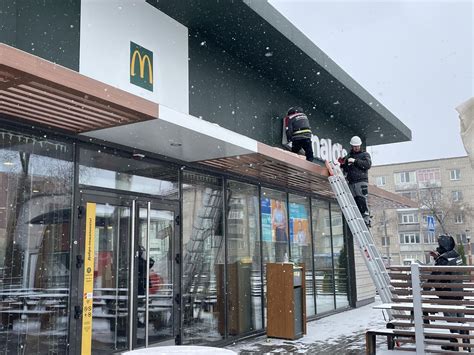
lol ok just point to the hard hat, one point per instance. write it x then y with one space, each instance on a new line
356 141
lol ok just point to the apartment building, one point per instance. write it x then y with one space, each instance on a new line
444 190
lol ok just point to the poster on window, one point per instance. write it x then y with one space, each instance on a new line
299 224
266 211
279 221
274 222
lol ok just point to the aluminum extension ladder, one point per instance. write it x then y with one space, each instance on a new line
361 233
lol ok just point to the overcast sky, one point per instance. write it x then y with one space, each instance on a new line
415 57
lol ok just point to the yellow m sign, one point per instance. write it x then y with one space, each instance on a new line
144 57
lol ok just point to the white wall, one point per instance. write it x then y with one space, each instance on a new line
365 285
108 27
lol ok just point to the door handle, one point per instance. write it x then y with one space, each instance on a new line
77 312
79 261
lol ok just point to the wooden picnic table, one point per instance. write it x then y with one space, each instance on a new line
431 312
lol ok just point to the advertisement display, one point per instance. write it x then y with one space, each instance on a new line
135 47
299 224
274 222
266 211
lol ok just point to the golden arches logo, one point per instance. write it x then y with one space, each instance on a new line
141 61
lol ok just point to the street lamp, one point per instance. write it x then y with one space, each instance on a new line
387 243
469 249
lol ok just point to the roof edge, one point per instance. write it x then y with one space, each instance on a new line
420 161
292 33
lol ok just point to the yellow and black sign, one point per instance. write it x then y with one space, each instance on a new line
87 295
141 66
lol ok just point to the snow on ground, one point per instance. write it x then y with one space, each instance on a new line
342 333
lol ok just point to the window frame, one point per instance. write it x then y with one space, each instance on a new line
409 238
404 218
380 180
456 195
411 175
429 176
458 218
455 174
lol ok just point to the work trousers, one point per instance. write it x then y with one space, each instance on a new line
360 191
307 146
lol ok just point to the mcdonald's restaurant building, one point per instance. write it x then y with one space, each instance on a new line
143 188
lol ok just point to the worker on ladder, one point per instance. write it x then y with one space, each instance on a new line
356 166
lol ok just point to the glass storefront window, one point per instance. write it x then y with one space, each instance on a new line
340 256
36 178
203 257
274 226
244 287
300 241
323 257
158 236
274 219
104 167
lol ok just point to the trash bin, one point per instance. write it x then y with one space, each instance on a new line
286 302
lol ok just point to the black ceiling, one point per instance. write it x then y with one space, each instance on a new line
267 42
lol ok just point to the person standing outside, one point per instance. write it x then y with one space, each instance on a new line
298 132
356 166
446 255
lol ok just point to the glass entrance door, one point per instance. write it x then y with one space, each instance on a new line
127 274
155 274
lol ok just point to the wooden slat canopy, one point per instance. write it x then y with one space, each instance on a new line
277 167
288 170
41 92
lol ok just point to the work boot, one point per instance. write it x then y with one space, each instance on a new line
367 220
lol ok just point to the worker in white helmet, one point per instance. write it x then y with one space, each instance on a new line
356 166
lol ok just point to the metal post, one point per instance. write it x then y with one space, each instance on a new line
469 248
417 310
131 282
147 293
387 243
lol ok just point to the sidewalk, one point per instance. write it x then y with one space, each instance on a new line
342 333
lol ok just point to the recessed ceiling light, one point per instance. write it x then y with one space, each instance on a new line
8 163
35 191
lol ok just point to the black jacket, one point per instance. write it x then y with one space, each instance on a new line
449 258
297 127
357 171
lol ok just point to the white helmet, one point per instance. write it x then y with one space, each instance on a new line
356 141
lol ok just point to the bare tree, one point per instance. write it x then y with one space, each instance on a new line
440 204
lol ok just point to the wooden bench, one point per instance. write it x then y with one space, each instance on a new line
371 339
432 313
